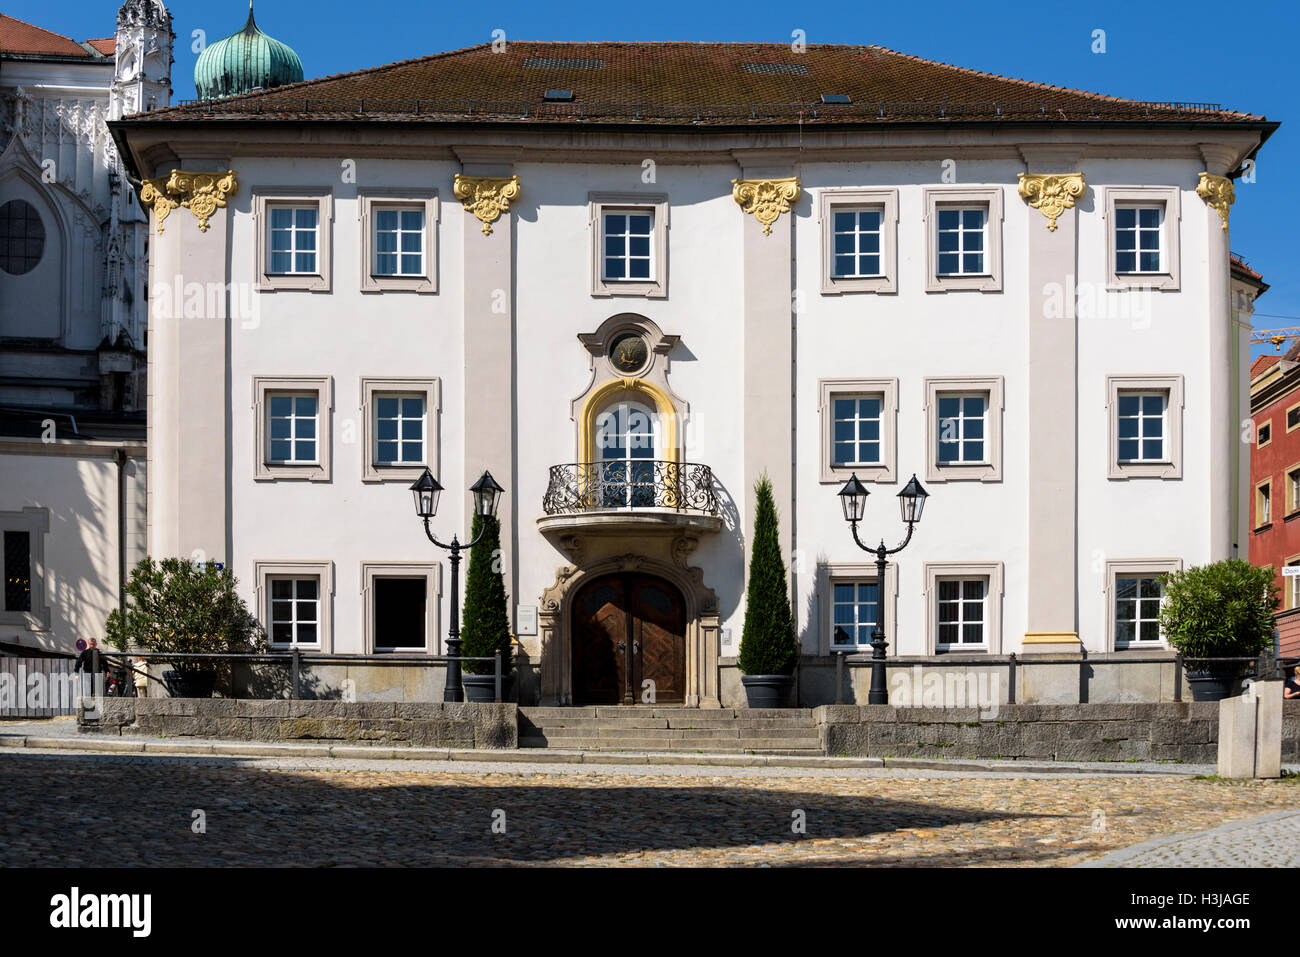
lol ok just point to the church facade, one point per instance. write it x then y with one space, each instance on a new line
632 279
74 246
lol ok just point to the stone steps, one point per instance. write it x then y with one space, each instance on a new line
810 746
651 728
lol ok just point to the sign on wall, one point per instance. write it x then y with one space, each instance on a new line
525 620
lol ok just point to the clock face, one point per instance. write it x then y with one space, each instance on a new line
628 353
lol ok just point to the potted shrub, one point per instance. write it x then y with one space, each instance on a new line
768 646
1223 610
182 607
485 623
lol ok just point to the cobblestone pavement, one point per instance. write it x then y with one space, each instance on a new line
277 812
1271 840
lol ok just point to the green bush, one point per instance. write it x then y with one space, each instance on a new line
485 624
768 645
174 605
1223 610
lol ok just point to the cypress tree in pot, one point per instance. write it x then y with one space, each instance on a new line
768 646
1223 610
485 623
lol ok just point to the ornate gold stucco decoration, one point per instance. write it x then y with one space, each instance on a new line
1051 193
487 197
767 199
201 193
1218 193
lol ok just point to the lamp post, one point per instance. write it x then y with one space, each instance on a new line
426 490
853 498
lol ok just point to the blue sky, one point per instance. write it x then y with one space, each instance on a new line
1241 56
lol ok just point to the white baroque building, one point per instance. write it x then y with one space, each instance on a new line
73 314
629 280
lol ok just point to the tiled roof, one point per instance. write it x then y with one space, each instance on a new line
1242 268
1261 364
105 45
696 83
25 39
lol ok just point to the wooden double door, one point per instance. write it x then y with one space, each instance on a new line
629 629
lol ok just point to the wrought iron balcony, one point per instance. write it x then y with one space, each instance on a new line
583 487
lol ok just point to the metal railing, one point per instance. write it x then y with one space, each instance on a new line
628 485
296 659
272 104
1012 663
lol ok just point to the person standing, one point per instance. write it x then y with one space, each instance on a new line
89 662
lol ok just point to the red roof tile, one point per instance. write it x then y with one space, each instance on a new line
17 36
697 83
106 45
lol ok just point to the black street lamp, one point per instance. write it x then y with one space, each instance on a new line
911 500
426 490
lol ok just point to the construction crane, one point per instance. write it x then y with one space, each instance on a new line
1274 336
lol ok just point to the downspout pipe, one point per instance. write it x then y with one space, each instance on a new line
119 456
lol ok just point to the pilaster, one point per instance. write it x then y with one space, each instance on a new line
489 335
1050 189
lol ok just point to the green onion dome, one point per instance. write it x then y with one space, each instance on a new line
245 61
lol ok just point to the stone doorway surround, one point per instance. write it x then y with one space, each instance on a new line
629 543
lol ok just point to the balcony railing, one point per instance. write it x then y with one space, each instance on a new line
630 485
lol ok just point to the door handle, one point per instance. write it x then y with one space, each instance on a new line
636 647
622 647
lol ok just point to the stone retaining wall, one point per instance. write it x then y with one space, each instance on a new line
1170 731
417 724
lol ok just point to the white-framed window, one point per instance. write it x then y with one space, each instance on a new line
293 238
292 417
627 435
1134 591
400 427
401 601
961 615
1137 239
963 228
295 611
399 244
857 243
294 234
629 244
292 428
963 607
859 229
858 429
848 595
1141 424
1292 490
961 238
1144 423
295 602
1291 585
964 428
1142 227
399 241
628 239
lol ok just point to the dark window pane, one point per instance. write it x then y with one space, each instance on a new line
18 571
399 613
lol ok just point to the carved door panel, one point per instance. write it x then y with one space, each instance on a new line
628 629
659 641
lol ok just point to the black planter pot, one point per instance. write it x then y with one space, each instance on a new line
484 687
189 684
767 691
1213 684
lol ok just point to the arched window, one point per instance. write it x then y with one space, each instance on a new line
627 437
